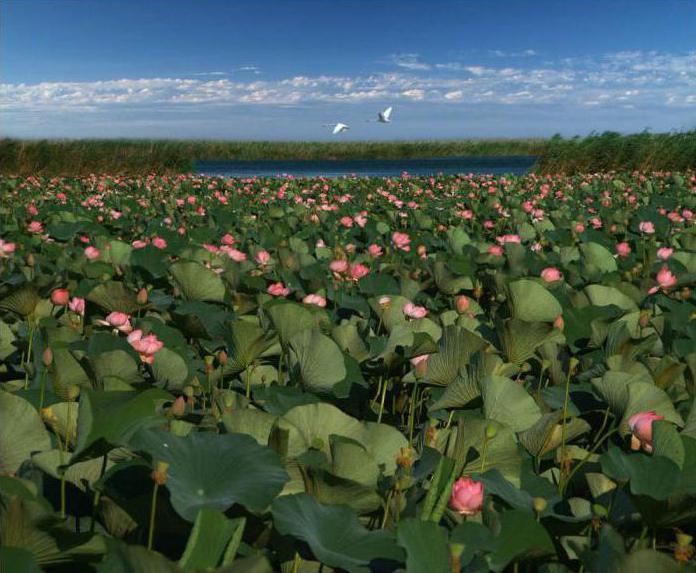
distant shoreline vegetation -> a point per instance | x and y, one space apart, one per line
602 152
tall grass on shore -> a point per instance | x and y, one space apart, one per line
137 157
612 151
608 151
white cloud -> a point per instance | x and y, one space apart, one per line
638 79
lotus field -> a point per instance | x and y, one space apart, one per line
301 375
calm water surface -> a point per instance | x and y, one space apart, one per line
498 165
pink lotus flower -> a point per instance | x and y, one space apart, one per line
77 305
641 427
236 255
346 222
579 228
35 227
339 266
467 496
227 239
358 271
401 241
646 227
315 299
139 244
6 249
665 280
60 297
278 289
118 320
159 243
360 220
495 250
623 249
145 346
559 323
463 303
374 251
665 253
551 274
92 253
262 258
414 311
515 239
384 301
420 363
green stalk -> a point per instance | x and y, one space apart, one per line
381 402
153 510
28 359
562 480
412 411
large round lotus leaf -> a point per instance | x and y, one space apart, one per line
246 342
521 536
601 295
122 558
502 451
214 470
532 302
82 474
507 402
289 318
170 369
390 312
521 339
426 546
22 300
597 259
198 282
348 338
108 419
113 296
455 348
334 533
317 360
255 423
7 338
21 432
311 427
405 335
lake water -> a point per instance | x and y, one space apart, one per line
495 165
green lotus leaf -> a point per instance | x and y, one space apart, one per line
507 402
198 282
532 302
597 259
114 296
21 433
333 533
426 546
213 542
214 471
317 360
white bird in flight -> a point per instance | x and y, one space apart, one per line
383 116
337 127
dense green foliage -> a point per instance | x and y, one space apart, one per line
428 375
82 157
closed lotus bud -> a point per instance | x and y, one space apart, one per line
179 406
209 359
31 261
573 364
463 303
47 356
222 358
539 504
685 293
405 458
47 415
159 474
430 436
478 292
60 297
141 297
644 318
559 323
73 392
385 302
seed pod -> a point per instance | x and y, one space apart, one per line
159 474
47 356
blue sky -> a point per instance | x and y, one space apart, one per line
281 69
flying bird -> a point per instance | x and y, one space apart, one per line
384 116
337 127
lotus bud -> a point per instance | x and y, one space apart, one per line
431 436
539 505
176 291
47 357
463 303
209 359
48 416
179 407
644 318
684 550
31 261
559 323
222 358
141 297
188 391
228 401
385 302
159 474
405 458
491 431
478 292
73 392
573 364
685 293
